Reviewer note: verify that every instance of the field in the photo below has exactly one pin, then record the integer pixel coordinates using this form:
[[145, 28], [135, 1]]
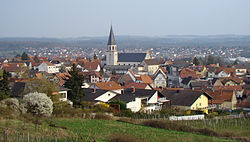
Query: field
[[238, 127], [99, 130]]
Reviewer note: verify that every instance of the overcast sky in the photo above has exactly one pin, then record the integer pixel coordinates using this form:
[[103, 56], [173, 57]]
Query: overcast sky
[[75, 18]]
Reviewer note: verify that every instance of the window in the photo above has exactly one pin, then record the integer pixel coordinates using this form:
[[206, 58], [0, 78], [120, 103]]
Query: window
[[200, 104], [108, 94]]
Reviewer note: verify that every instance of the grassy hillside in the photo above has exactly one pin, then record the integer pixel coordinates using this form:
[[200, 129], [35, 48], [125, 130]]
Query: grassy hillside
[[100, 130]]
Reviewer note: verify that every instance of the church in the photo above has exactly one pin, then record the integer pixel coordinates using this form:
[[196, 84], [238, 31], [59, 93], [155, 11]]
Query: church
[[113, 58]]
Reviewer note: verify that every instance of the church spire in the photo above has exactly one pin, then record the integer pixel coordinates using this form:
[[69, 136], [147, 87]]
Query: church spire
[[111, 40]]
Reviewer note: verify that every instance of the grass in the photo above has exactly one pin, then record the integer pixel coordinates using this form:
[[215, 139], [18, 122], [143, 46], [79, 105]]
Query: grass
[[101, 130], [239, 127]]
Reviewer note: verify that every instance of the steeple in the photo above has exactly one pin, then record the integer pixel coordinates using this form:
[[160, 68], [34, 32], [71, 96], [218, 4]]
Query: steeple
[[111, 40]]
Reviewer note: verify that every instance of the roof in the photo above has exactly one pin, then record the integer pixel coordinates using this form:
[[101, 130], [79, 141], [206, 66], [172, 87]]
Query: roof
[[117, 67], [17, 89], [111, 85], [234, 79], [160, 70], [48, 63], [187, 72], [186, 80], [61, 77], [86, 74], [91, 65], [183, 97], [131, 57], [11, 67], [111, 40], [129, 95], [154, 61], [125, 79], [136, 85], [146, 79], [198, 68], [90, 95], [221, 95], [226, 70]]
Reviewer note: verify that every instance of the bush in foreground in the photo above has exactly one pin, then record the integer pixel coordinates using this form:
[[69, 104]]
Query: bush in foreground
[[38, 104]]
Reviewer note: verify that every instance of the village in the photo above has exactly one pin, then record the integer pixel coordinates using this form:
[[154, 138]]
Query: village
[[143, 83]]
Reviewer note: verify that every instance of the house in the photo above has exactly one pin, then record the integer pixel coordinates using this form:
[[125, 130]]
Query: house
[[141, 100], [92, 76], [48, 67], [152, 65], [188, 73], [201, 70], [240, 70], [92, 66], [188, 99], [63, 95], [160, 78], [130, 76], [199, 84], [232, 81], [13, 68], [223, 99], [216, 82], [224, 72], [111, 85]]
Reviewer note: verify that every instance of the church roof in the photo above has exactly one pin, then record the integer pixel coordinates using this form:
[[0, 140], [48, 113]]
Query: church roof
[[111, 40], [131, 57]]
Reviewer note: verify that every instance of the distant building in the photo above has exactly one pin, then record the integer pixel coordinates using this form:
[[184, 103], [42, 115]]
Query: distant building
[[115, 58]]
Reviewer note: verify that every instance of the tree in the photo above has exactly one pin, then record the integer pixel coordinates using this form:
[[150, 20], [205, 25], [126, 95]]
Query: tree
[[95, 57], [38, 104], [22, 72], [18, 55], [210, 60], [41, 86], [4, 86], [196, 61], [36, 59], [25, 56], [74, 83], [236, 62]]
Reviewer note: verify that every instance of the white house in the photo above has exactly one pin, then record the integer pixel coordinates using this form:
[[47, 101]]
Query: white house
[[141, 100], [48, 67]]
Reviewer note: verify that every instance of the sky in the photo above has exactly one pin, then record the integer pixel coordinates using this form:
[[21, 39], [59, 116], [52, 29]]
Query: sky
[[76, 18]]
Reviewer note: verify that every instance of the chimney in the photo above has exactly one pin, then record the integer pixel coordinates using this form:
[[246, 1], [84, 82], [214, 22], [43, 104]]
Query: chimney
[[133, 89]]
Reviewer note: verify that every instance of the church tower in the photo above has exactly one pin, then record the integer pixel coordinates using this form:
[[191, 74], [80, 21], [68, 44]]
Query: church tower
[[111, 53]]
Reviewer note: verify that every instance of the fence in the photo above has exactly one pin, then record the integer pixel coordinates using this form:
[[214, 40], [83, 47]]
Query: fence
[[191, 117], [21, 137]]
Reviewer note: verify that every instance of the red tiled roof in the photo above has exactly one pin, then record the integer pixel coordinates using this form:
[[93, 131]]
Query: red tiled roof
[[136, 85], [111, 85], [91, 65], [187, 72]]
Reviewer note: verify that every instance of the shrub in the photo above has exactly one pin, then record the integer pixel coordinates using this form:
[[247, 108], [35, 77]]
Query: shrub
[[13, 104], [38, 104], [63, 109], [6, 112], [103, 116]]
